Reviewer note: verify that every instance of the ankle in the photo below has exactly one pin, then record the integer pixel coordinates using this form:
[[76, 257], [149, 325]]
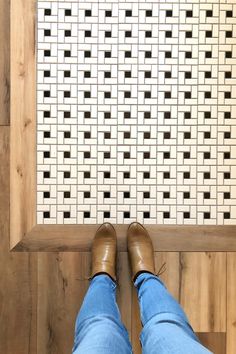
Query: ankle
[[141, 272], [103, 273]]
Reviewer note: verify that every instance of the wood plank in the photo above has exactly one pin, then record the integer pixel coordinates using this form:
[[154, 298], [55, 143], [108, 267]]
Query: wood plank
[[171, 276], [23, 119], [166, 238], [215, 342], [18, 282], [5, 62], [203, 290], [62, 284], [231, 303], [124, 289]]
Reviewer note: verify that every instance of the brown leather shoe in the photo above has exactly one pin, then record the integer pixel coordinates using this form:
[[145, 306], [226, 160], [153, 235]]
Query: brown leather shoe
[[104, 251], [140, 248]]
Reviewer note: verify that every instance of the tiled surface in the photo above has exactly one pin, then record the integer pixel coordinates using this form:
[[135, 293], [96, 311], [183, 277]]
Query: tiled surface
[[136, 112]]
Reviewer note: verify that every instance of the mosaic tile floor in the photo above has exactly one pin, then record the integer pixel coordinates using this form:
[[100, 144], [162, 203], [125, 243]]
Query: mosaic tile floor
[[136, 105]]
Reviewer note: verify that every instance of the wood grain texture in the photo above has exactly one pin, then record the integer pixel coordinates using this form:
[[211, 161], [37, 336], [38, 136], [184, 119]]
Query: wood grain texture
[[5, 62], [203, 290], [62, 284], [171, 275], [215, 342], [166, 238], [23, 119], [231, 303], [18, 276]]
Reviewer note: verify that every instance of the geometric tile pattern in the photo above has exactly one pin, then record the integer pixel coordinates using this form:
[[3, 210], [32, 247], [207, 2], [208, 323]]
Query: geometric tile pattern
[[136, 112]]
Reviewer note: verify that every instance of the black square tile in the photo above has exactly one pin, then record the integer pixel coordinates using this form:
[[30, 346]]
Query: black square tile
[[46, 154], [47, 12], [146, 195], [67, 194], [209, 13], [148, 74], [47, 134], [228, 34], [227, 195], [46, 214], [188, 55], [67, 53], [227, 135], [47, 32], [208, 54], [67, 114], [128, 13], [168, 54], [126, 195], [166, 215], [189, 13], [66, 154], [106, 214], [46, 195], [148, 13], [188, 75], [47, 53], [67, 73], [126, 215], [228, 54], [87, 74], [227, 175], [108, 13], [68, 12], [169, 13], [46, 174], [67, 174], [107, 74], [67, 33], [66, 214]]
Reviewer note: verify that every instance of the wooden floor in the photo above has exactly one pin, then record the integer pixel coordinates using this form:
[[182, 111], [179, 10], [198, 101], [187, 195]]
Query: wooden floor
[[40, 294]]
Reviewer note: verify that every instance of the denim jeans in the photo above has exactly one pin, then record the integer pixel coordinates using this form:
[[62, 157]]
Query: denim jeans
[[166, 330]]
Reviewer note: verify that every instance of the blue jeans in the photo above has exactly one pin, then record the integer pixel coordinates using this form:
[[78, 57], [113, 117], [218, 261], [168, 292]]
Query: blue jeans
[[99, 329]]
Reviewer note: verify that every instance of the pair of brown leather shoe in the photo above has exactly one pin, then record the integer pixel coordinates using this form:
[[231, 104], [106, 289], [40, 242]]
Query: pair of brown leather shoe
[[104, 249]]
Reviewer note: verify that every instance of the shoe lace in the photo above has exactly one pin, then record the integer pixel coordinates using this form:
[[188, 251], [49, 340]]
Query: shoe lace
[[162, 269]]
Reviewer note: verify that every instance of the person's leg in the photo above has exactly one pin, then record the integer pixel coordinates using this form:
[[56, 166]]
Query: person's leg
[[99, 329], [166, 329]]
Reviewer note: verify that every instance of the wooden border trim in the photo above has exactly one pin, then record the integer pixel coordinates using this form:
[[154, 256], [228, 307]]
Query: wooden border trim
[[23, 119], [5, 62], [165, 238], [25, 234]]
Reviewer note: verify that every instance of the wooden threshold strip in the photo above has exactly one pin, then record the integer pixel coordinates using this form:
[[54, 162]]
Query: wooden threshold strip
[[165, 238]]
